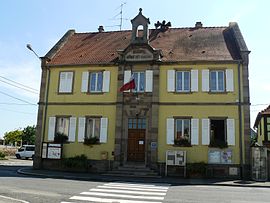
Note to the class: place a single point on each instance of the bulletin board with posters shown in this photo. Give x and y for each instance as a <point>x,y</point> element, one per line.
<point>216,156</point>
<point>51,151</point>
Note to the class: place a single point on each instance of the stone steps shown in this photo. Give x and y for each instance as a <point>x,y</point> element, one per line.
<point>133,170</point>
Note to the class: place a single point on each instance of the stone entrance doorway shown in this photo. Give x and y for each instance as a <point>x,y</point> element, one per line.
<point>136,140</point>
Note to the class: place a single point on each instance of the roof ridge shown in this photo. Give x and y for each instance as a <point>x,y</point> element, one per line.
<point>172,28</point>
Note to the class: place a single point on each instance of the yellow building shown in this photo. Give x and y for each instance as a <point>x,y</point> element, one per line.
<point>191,94</point>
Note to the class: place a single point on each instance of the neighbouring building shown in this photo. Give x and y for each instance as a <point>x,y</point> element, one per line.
<point>191,94</point>
<point>262,124</point>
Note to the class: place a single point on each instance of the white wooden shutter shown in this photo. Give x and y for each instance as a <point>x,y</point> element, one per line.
<point>194,80</point>
<point>149,81</point>
<point>170,131</point>
<point>205,80</point>
<point>103,130</point>
<point>230,132</point>
<point>72,129</point>
<point>171,80</point>
<point>106,81</point>
<point>205,131</point>
<point>194,131</point>
<point>51,129</point>
<point>85,77</point>
<point>62,82</point>
<point>81,129</point>
<point>69,81</point>
<point>229,80</point>
<point>127,76</point>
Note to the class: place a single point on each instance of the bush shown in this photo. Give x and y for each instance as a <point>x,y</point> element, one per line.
<point>91,140</point>
<point>182,142</point>
<point>60,138</point>
<point>79,161</point>
<point>2,155</point>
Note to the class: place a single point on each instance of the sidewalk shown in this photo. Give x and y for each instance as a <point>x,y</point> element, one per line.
<point>171,180</point>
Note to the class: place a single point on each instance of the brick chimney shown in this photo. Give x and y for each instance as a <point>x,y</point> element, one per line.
<point>100,28</point>
<point>198,25</point>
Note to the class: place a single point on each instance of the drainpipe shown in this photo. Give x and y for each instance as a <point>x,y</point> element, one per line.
<point>240,120</point>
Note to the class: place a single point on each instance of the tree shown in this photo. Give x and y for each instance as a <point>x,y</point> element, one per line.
<point>29,135</point>
<point>13,136</point>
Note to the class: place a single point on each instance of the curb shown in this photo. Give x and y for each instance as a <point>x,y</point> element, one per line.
<point>159,180</point>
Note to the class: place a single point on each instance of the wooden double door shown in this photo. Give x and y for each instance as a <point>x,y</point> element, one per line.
<point>136,139</point>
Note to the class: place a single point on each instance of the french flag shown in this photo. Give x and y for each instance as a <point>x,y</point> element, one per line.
<point>129,85</point>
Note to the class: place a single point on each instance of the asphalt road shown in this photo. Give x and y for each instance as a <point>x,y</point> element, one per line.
<point>16,188</point>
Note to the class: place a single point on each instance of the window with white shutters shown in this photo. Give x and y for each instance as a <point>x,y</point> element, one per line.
<point>218,80</point>
<point>65,82</point>
<point>182,131</point>
<point>95,82</point>
<point>93,130</point>
<point>143,80</point>
<point>182,81</point>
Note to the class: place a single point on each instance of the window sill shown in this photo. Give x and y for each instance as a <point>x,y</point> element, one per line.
<point>64,93</point>
<point>182,145</point>
<point>217,92</point>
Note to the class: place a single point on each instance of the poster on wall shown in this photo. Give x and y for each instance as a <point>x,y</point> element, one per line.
<point>213,156</point>
<point>226,157</point>
<point>54,151</point>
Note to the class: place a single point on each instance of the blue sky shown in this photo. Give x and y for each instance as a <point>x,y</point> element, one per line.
<point>43,23</point>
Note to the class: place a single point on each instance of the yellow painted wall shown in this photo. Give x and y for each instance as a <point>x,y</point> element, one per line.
<point>109,111</point>
<point>199,96</point>
<point>77,95</point>
<point>73,149</point>
<point>196,153</point>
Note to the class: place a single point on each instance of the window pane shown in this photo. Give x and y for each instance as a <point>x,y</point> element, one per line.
<point>186,81</point>
<point>143,123</point>
<point>268,136</point>
<point>221,81</point>
<point>186,129</point>
<point>268,120</point>
<point>213,82</point>
<point>93,82</point>
<point>136,81</point>
<point>62,125</point>
<point>139,124</point>
<point>179,81</point>
<point>129,123</point>
<point>179,134</point>
<point>97,128</point>
<point>268,127</point>
<point>89,128</point>
<point>142,81</point>
<point>99,82</point>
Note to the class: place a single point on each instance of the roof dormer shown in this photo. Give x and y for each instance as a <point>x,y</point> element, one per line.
<point>140,36</point>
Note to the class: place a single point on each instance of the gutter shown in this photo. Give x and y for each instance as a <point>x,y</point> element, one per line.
<point>240,120</point>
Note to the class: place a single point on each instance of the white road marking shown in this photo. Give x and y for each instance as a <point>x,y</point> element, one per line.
<point>137,186</point>
<point>121,192</point>
<point>121,196</point>
<point>10,198</point>
<point>128,192</point>
<point>132,188</point>
<point>101,200</point>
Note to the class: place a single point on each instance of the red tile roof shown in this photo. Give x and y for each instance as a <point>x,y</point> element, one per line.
<point>176,44</point>
<point>266,111</point>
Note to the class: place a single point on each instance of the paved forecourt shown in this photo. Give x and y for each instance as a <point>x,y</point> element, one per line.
<point>123,192</point>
